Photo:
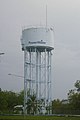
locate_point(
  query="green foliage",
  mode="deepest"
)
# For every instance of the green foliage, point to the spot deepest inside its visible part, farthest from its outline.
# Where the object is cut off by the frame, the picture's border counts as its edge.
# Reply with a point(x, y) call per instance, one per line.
point(34, 105)
point(21, 98)
point(74, 98)
point(3, 102)
point(77, 85)
point(31, 104)
point(59, 107)
point(8, 100)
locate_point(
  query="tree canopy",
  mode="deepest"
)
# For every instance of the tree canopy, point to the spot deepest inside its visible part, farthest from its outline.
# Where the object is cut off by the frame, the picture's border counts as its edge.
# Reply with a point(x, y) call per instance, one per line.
point(9, 99)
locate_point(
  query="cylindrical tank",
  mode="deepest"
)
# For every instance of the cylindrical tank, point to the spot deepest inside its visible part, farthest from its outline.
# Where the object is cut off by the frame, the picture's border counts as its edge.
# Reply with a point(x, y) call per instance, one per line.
point(37, 44)
point(37, 37)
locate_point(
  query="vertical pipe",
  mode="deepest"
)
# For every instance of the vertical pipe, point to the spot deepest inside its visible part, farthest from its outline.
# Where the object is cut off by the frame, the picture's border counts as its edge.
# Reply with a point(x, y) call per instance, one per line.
point(50, 92)
point(39, 75)
point(36, 76)
point(45, 79)
point(25, 84)
point(32, 74)
point(48, 79)
point(30, 81)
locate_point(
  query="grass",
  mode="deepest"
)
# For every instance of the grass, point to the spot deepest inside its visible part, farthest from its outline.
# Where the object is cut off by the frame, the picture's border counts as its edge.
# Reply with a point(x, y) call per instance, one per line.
point(38, 118)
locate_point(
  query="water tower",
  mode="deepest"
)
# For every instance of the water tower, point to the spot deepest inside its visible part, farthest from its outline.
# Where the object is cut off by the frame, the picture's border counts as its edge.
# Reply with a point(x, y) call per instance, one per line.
point(37, 44)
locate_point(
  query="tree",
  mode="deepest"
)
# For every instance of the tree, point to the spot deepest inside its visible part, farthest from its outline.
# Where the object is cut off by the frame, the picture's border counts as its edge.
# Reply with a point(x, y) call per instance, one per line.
point(21, 98)
point(3, 102)
point(56, 106)
point(77, 85)
point(8, 100)
point(32, 104)
point(0, 90)
point(12, 99)
point(74, 97)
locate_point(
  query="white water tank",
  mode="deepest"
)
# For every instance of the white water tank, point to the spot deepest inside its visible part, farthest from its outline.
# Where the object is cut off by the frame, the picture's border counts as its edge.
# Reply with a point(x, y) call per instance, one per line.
point(39, 37)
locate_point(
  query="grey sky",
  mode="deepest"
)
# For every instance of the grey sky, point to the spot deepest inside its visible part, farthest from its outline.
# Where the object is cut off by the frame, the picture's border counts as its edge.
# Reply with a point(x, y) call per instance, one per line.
point(64, 15)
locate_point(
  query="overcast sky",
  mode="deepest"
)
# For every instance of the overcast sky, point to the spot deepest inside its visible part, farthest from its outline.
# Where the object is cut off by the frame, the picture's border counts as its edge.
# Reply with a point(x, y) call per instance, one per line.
point(64, 16)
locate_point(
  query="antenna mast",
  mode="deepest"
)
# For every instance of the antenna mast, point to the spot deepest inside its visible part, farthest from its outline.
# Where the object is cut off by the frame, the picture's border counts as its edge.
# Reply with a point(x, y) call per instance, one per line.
point(46, 15)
